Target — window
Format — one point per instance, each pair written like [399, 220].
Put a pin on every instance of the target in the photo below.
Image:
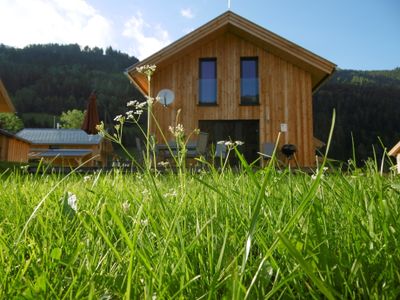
[249, 81]
[208, 81]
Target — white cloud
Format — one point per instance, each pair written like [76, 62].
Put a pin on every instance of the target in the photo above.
[187, 13]
[147, 38]
[25, 22]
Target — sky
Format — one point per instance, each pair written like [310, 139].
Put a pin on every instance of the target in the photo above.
[354, 34]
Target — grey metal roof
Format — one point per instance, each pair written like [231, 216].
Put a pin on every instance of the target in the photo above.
[52, 136]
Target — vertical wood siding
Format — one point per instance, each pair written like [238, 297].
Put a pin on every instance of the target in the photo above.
[285, 93]
[12, 149]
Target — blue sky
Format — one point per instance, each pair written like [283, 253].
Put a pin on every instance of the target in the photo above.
[354, 34]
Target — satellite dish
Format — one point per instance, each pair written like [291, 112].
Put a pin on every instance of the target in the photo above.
[165, 97]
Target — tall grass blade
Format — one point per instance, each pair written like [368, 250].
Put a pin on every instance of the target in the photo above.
[305, 266]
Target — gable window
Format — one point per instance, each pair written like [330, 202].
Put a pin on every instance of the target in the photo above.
[208, 81]
[249, 94]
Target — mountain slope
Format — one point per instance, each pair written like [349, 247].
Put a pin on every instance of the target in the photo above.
[50, 79]
[367, 105]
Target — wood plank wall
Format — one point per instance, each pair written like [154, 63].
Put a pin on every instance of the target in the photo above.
[285, 93]
[12, 149]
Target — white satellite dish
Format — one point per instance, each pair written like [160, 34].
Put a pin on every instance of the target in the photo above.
[165, 97]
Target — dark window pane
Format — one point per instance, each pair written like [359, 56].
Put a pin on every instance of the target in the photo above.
[208, 81]
[249, 68]
[249, 81]
[208, 90]
[208, 69]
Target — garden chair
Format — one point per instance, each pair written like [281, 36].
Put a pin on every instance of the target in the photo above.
[220, 151]
[201, 146]
[268, 151]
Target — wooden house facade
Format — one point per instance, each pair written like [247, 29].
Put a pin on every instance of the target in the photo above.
[236, 80]
[13, 148]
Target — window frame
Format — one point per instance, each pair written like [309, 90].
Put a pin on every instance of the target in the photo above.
[256, 59]
[215, 102]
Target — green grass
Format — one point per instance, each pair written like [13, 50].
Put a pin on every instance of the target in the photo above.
[233, 235]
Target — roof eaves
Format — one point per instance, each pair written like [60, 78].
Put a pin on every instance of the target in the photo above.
[182, 42]
[6, 97]
[395, 150]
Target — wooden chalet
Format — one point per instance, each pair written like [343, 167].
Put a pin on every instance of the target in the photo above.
[12, 148]
[67, 147]
[236, 80]
[395, 152]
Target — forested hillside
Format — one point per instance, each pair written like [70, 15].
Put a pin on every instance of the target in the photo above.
[367, 104]
[46, 80]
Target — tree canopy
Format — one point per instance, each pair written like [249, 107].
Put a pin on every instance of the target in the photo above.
[10, 122]
[72, 118]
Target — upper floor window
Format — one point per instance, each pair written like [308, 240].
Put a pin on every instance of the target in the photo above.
[249, 93]
[208, 81]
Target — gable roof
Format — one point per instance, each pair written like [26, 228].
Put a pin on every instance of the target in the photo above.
[5, 101]
[319, 68]
[59, 136]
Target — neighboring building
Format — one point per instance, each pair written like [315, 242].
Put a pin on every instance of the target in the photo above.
[395, 152]
[5, 101]
[13, 148]
[67, 147]
[234, 79]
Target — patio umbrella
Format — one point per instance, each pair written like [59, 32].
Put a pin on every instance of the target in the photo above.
[91, 118]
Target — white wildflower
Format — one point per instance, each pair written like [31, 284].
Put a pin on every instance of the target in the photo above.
[221, 142]
[177, 131]
[72, 201]
[163, 164]
[141, 105]
[171, 193]
[132, 103]
[239, 143]
[86, 178]
[118, 118]
[150, 100]
[125, 206]
[147, 70]
[229, 144]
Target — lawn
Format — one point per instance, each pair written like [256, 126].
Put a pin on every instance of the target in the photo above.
[204, 235]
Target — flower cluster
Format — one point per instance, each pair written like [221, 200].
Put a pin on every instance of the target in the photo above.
[314, 176]
[137, 110]
[230, 144]
[126, 206]
[119, 118]
[178, 131]
[163, 164]
[148, 70]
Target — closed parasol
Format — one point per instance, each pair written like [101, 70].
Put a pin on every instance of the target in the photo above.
[91, 118]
